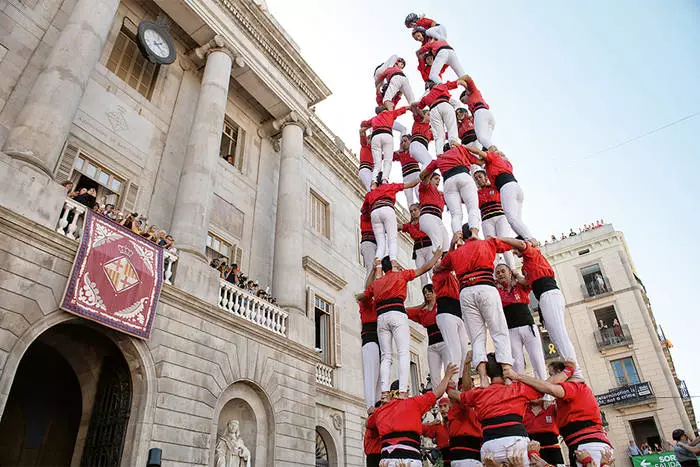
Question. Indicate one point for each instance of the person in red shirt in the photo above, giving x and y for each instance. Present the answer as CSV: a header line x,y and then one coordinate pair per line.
x,y
410,170
484,123
366,160
438,431
382,140
459,186
442,51
432,203
442,114
424,314
493,219
389,294
422,246
432,29
396,82
379,202
480,302
541,425
540,276
465,128
463,427
372,443
500,173
515,297
368,242
370,351
399,423
420,137
500,409
578,413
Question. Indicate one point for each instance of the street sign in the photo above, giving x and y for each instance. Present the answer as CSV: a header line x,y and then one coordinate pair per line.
x,y
632,393
662,459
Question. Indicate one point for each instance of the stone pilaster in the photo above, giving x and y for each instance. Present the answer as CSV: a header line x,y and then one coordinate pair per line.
x,y
196,187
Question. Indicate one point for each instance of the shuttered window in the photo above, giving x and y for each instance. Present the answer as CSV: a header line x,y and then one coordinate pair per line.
x,y
127,62
319,214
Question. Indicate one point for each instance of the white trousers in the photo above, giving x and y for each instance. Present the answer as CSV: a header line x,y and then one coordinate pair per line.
x,y
399,83
384,226
512,201
365,177
528,337
438,356
393,326
448,56
500,449
456,338
466,463
498,226
420,153
411,193
442,119
370,372
383,154
400,463
552,306
481,306
423,255
596,451
433,226
484,123
461,188
438,32
368,251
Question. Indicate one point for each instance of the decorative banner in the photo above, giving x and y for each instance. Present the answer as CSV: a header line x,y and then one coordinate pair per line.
x,y
116,277
632,393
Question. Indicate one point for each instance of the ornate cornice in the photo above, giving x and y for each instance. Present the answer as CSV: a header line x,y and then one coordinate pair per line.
x,y
261,29
323,273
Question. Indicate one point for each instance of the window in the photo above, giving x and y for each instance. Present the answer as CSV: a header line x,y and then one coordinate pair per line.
x,y
319,213
594,282
321,451
322,318
93,175
218,248
625,371
415,375
127,62
230,137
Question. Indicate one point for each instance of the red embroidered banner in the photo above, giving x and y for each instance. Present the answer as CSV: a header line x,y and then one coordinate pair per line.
x,y
116,278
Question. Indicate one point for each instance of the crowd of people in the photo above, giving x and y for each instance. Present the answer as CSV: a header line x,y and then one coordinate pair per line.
x,y
572,233
132,221
470,285
231,273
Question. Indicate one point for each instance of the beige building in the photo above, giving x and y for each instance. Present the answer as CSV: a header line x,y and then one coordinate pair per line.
x,y
615,335
79,102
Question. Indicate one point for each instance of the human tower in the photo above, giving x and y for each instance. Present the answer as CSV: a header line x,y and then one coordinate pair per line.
x,y
469,285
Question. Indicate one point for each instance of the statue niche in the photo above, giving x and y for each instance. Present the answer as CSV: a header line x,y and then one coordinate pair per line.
x,y
230,449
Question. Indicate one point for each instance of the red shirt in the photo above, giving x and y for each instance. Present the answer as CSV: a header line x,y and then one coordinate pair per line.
x,y
535,265
579,405
414,231
424,22
373,443
429,195
424,69
421,128
408,164
383,195
450,159
384,120
462,422
490,202
499,400
445,285
544,422
473,261
518,294
367,312
496,165
433,46
422,316
438,433
366,226
390,287
438,93
475,100
466,128
398,416
389,73
366,158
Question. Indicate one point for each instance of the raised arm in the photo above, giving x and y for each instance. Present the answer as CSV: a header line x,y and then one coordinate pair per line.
x,y
372,275
694,449
412,183
539,385
466,373
450,371
477,153
429,265
514,242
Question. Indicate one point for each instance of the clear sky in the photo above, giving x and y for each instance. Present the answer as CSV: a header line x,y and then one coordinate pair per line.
x,y
566,81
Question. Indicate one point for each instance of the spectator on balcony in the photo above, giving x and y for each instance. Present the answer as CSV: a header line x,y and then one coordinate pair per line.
x,y
86,197
633,449
229,159
136,226
645,449
572,233
553,239
170,244
150,233
617,330
686,451
160,238
68,185
600,282
602,325
129,220
657,448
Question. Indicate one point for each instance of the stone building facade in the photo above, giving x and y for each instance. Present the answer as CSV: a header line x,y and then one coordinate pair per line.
x,y
78,102
628,366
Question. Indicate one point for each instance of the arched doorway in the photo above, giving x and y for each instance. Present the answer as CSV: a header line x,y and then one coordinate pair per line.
x,y
326,452
321,451
70,401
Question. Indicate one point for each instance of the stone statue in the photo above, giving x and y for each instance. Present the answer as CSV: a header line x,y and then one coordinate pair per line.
x,y
230,450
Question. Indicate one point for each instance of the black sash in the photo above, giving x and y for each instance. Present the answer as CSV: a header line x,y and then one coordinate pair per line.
x,y
458,169
449,305
503,178
542,285
518,314
369,333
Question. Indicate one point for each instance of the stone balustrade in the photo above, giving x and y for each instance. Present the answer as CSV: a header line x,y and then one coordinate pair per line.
x,y
246,305
324,374
169,261
70,223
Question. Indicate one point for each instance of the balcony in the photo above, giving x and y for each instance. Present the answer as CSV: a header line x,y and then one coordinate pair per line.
x,y
254,309
324,374
640,393
606,338
596,288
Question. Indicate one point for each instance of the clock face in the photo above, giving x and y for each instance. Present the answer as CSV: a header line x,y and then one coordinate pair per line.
x,y
156,43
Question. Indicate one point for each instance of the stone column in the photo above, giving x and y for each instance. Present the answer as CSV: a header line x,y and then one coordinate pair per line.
x,y
196,187
42,126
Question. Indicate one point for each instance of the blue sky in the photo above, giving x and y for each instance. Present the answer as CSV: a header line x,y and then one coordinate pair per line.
x,y
565,81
